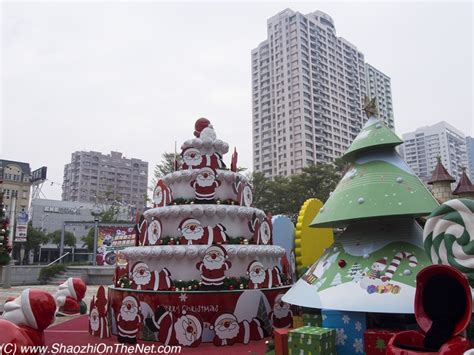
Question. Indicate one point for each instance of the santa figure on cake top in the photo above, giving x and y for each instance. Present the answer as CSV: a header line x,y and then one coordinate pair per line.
x,y
281,315
261,278
25,318
162,195
129,320
228,330
192,232
205,185
142,278
69,296
213,266
185,330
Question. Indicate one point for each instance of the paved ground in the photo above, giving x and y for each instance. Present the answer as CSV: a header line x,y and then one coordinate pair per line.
x,y
16,291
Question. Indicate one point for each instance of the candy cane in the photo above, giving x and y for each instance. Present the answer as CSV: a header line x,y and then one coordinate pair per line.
x,y
448,236
395,263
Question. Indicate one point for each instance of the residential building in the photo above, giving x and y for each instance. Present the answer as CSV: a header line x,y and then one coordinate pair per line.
x,y
379,86
308,87
94,177
15,178
470,156
422,147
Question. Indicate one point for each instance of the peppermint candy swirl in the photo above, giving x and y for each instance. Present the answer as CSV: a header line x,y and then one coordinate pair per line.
x,y
448,236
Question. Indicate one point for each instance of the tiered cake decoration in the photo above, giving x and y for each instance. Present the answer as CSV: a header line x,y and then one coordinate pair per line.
x,y
372,266
203,249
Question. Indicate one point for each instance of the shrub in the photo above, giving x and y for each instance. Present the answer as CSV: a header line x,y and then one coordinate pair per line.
x,y
50,271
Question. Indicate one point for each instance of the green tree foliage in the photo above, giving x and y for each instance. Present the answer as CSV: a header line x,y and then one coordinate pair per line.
x,y
69,238
35,237
166,166
286,195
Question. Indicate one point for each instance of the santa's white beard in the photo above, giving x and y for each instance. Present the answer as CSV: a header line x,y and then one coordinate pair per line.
x,y
128,315
94,320
229,332
193,162
184,338
193,235
202,181
213,264
142,279
257,278
281,312
14,313
62,293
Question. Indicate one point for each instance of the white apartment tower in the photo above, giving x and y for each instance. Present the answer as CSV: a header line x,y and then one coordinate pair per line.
x,y
422,147
379,86
307,94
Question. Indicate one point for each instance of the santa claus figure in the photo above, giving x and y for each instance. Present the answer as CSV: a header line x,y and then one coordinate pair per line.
x,y
281,315
262,230
228,330
162,194
98,322
261,278
121,269
142,278
69,296
141,230
184,330
205,185
129,320
192,232
213,266
243,192
154,232
25,318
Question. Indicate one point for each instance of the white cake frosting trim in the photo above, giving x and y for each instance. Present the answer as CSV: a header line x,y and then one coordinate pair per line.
x,y
197,211
188,175
206,145
192,251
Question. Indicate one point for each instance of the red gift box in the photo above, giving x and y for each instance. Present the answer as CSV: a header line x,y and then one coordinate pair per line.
x,y
376,340
281,340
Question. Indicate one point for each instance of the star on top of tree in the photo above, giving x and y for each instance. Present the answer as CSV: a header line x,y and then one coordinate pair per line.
x,y
370,106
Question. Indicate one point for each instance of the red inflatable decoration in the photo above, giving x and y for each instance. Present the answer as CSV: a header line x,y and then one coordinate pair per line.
x,y
443,308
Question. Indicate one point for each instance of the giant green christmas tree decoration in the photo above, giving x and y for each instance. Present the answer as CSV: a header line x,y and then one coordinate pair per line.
x,y
376,203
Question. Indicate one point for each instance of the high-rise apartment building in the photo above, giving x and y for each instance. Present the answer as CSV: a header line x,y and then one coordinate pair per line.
x,y
379,86
98,178
308,87
470,156
422,147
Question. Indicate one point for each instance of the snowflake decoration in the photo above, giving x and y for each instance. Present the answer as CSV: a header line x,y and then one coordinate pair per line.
x,y
183,297
340,337
346,319
358,345
358,326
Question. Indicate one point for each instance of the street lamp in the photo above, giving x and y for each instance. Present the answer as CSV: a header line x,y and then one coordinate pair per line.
x,y
96,211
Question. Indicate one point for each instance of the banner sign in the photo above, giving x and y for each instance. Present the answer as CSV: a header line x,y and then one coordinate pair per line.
x,y
39,174
21,227
112,239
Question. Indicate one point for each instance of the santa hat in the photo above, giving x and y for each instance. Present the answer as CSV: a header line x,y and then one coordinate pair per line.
x,y
221,317
77,288
218,249
200,124
194,318
188,221
254,264
39,308
382,261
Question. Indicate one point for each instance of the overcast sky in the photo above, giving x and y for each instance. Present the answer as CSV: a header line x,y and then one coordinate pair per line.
x,y
133,77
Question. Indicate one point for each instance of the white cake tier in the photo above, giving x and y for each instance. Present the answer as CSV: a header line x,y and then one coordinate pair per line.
x,y
234,218
206,145
181,260
180,184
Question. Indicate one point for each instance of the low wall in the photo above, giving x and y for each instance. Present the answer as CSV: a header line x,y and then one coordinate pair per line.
x,y
96,275
22,275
